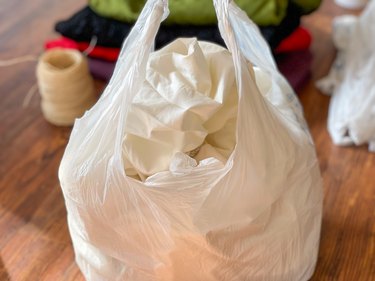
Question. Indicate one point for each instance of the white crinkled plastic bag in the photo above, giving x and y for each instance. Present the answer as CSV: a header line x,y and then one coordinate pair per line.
x,y
255,215
351,118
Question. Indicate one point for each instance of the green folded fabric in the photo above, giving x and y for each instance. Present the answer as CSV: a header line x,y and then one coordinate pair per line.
x,y
201,12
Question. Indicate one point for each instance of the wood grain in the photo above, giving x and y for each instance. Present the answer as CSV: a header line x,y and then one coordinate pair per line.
x,y
34,238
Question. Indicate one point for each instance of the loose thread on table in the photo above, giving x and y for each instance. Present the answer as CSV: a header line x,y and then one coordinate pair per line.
x,y
22,59
17,60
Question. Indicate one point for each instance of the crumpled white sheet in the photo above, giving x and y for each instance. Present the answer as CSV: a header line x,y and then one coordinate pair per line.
x,y
351,117
189,99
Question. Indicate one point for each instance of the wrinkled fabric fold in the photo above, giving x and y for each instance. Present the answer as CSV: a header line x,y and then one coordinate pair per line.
x,y
189,98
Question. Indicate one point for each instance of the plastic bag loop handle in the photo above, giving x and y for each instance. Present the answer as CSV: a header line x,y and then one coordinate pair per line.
x,y
139,42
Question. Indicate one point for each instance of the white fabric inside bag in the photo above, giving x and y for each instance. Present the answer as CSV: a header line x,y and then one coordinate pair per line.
x,y
189,99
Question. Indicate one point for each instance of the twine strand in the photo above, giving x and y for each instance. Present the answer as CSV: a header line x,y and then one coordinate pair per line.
x,y
29,95
17,60
90,48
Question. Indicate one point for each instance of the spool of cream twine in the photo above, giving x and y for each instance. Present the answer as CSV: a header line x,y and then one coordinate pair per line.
x,y
65,85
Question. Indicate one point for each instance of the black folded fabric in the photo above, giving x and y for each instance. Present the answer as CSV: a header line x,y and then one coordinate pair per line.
x,y
86,24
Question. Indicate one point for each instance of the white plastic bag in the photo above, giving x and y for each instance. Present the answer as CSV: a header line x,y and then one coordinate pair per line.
x,y
256,217
351,118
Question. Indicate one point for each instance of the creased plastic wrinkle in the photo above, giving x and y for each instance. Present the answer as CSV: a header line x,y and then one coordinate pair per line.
x,y
251,211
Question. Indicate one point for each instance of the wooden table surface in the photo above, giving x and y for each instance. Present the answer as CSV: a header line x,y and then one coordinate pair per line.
x,y
34,239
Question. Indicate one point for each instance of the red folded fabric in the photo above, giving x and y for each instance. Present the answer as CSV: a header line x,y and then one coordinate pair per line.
x,y
61,43
299,40
104,53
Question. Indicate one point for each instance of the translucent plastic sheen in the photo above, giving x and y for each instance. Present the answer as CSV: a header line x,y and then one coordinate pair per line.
x,y
257,217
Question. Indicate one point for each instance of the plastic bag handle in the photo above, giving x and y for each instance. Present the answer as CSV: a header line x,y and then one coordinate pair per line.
x,y
133,58
230,17
251,43
137,47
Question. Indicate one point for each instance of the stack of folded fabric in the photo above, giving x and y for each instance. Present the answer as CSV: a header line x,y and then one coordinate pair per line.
x,y
293,57
106,23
